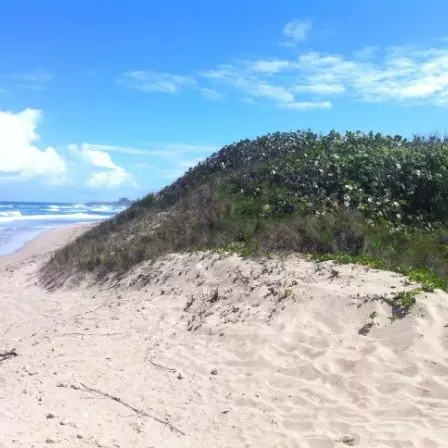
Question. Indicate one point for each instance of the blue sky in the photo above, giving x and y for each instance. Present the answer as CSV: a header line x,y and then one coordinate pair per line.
x,y
101,99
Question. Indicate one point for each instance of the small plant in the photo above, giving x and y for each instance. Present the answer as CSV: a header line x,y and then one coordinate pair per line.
x,y
286,293
365,329
406,299
334,273
402,303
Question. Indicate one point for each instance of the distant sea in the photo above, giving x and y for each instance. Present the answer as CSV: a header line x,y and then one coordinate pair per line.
x,y
20,222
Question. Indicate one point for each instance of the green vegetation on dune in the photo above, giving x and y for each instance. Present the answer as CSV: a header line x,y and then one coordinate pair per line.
x,y
375,199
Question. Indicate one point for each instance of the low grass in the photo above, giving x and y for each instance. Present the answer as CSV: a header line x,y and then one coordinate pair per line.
x,y
240,250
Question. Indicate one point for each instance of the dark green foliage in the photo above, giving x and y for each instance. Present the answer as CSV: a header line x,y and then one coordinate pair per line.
x,y
368,197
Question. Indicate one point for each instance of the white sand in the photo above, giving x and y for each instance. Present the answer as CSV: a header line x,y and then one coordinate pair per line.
x,y
272,359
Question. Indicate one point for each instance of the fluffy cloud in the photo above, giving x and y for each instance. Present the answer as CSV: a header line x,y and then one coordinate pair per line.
x,y
92,158
19,154
108,179
401,75
21,158
98,158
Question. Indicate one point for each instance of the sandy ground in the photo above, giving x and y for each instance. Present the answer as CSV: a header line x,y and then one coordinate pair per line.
x,y
207,350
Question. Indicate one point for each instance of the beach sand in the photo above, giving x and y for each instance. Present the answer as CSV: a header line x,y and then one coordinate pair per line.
x,y
207,350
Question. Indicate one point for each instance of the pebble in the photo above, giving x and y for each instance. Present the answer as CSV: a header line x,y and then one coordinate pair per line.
x,y
79,436
214,372
348,440
49,440
50,415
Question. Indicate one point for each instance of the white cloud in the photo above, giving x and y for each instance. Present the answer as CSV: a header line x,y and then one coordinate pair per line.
x,y
93,158
308,105
296,31
264,80
98,158
277,93
398,76
152,81
109,179
21,159
19,154
320,88
403,75
271,66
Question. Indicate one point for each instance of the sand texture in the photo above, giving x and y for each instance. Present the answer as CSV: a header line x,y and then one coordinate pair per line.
x,y
207,350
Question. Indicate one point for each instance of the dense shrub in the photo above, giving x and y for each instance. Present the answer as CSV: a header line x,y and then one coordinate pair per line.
x,y
384,178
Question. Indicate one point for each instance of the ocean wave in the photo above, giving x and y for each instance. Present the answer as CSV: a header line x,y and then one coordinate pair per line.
x,y
112,209
75,217
102,209
64,210
109,209
11,214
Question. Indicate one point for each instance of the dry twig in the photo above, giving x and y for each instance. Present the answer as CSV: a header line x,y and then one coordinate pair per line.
x,y
8,354
136,410
87,334
170,369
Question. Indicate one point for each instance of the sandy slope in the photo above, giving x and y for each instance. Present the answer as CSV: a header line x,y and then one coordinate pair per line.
x,y
230,352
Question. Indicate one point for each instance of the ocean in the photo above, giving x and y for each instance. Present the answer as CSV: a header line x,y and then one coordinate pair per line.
x,y
20,222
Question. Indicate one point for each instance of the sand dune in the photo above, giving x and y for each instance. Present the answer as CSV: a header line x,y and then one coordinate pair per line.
x,y
220,351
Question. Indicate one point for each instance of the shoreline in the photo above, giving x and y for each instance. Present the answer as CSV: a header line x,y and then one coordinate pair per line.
x,y
46,241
